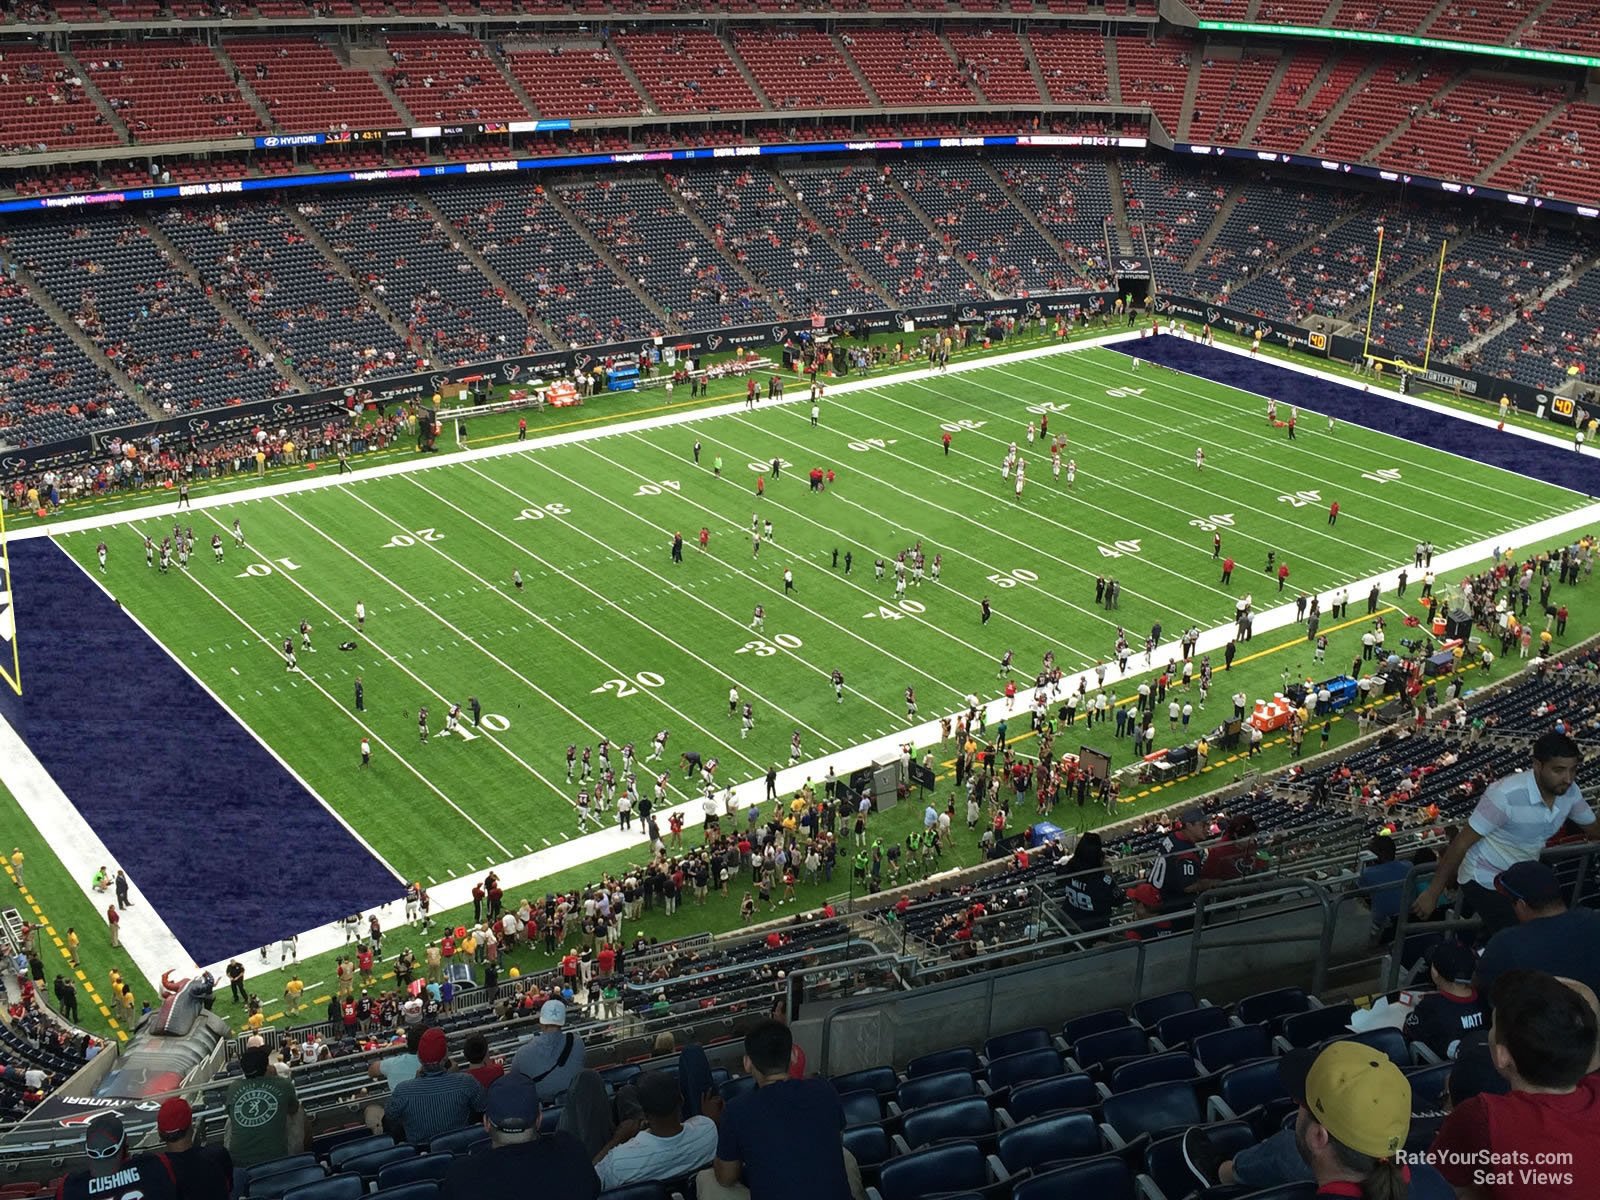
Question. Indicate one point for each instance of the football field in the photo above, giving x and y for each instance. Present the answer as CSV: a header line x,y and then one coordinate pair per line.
x,y
610,638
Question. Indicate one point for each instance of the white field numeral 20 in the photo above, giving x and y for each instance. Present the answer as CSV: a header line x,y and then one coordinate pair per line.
x,y
411,539
1300,499
624,687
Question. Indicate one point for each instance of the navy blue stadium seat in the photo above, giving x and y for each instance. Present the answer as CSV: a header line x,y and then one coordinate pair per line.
x,y
336,1187
968,1118
648,1190
935,1089
342,1154
367,1166
550,1118
270,1187
1156,1110
1427,1085
861,1108
1127,1042
325,1143
619,1076
1229,1047
1250,1084
871,1146
1150,1012
1182,1028
415,1170
1041,1062
1272,1006
1155,1068
957,1058
1390,1042
737,1086
881,1081
1106,1178
460,1141
1095,1022
277,1166
1045,1140
410,1191
1015,1043
1317,1024
953,1168
1163,1159
1051,1095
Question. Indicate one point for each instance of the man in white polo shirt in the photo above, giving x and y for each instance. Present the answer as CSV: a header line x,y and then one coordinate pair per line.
x,y
1514,819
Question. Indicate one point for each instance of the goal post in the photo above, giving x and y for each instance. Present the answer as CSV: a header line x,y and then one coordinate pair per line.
x,y
1400,364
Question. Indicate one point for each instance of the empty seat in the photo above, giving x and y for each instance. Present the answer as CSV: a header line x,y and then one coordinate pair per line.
x,y
415,1170
1095,1049
335,1187
935,1089
1149,1012
969,1118
1163,1159
342,1154
1182,1028
1106,1178
1025,1066
871,1147
861,1108
957,1058
1317,1024
1390,1042
1245,1087
271,1187
620,1076
1045,1140
410,1191
1097,1022
1157,1109
277,1166
957,1167
461,1141
1051,1095
1427,1085
1154,1068
1272,1006
1016,1043
881,1081
1229,1047
368,1166
737,1086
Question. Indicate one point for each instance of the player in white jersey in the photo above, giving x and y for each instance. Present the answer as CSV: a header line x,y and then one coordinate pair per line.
x,y
1020,480
149,552
238,533
733,701
916,571
183,553
766,530
911,703
361,617
658,746
216,547
516,579
583,809
305,637
899,587
1136,364
758,620
938,565
1030,433
1072,471
452,718
100,553
1199,458
755,544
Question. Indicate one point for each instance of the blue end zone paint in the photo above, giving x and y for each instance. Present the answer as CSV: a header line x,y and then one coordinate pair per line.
x,y
228,846
1375,410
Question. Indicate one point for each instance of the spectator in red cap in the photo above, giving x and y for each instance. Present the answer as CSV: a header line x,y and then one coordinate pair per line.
x,y
437,1101
1146,899
202,1172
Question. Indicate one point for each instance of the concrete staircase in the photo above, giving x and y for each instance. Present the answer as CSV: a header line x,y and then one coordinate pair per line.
x,y
1395,134
223,305
375,61
1529,21
838,247
245,90
1264,105
705,231
1510,152
379,305
745,72
102,105
955,60
459,240
1191,88
74,333
855,69
1119,210
1506,322
1223,213
558,201
511,80
1034,69
1113,71
938,231
1343,103
632,77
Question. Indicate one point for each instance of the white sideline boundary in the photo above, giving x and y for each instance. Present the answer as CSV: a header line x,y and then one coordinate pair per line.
x,y
82,852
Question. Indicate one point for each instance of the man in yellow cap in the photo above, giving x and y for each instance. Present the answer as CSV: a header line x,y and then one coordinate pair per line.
x,y
16,863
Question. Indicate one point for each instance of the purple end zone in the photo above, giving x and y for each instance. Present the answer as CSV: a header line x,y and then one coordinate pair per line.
x,y
1376,410
228,846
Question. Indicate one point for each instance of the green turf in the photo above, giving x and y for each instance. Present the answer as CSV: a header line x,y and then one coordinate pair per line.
x,y
55,904
606,615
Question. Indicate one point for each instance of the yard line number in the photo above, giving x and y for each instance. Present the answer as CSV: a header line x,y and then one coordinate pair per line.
x,y
914,607
541,511
625,687
493,722
257,570
655,489
762,648
1118,549
1214,522
411,539
1010,579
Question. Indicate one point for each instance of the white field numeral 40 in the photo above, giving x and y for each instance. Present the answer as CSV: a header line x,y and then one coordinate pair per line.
x,y
914,607
1118,549
624,687
655,489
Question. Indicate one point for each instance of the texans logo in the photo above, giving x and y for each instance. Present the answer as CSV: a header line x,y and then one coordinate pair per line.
x,y
779,333
969,314
901,318
714,342
1263,329
282,410
511,371
1034,309
1163,305
439,382
14,463
1212,316
583,361
199,425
